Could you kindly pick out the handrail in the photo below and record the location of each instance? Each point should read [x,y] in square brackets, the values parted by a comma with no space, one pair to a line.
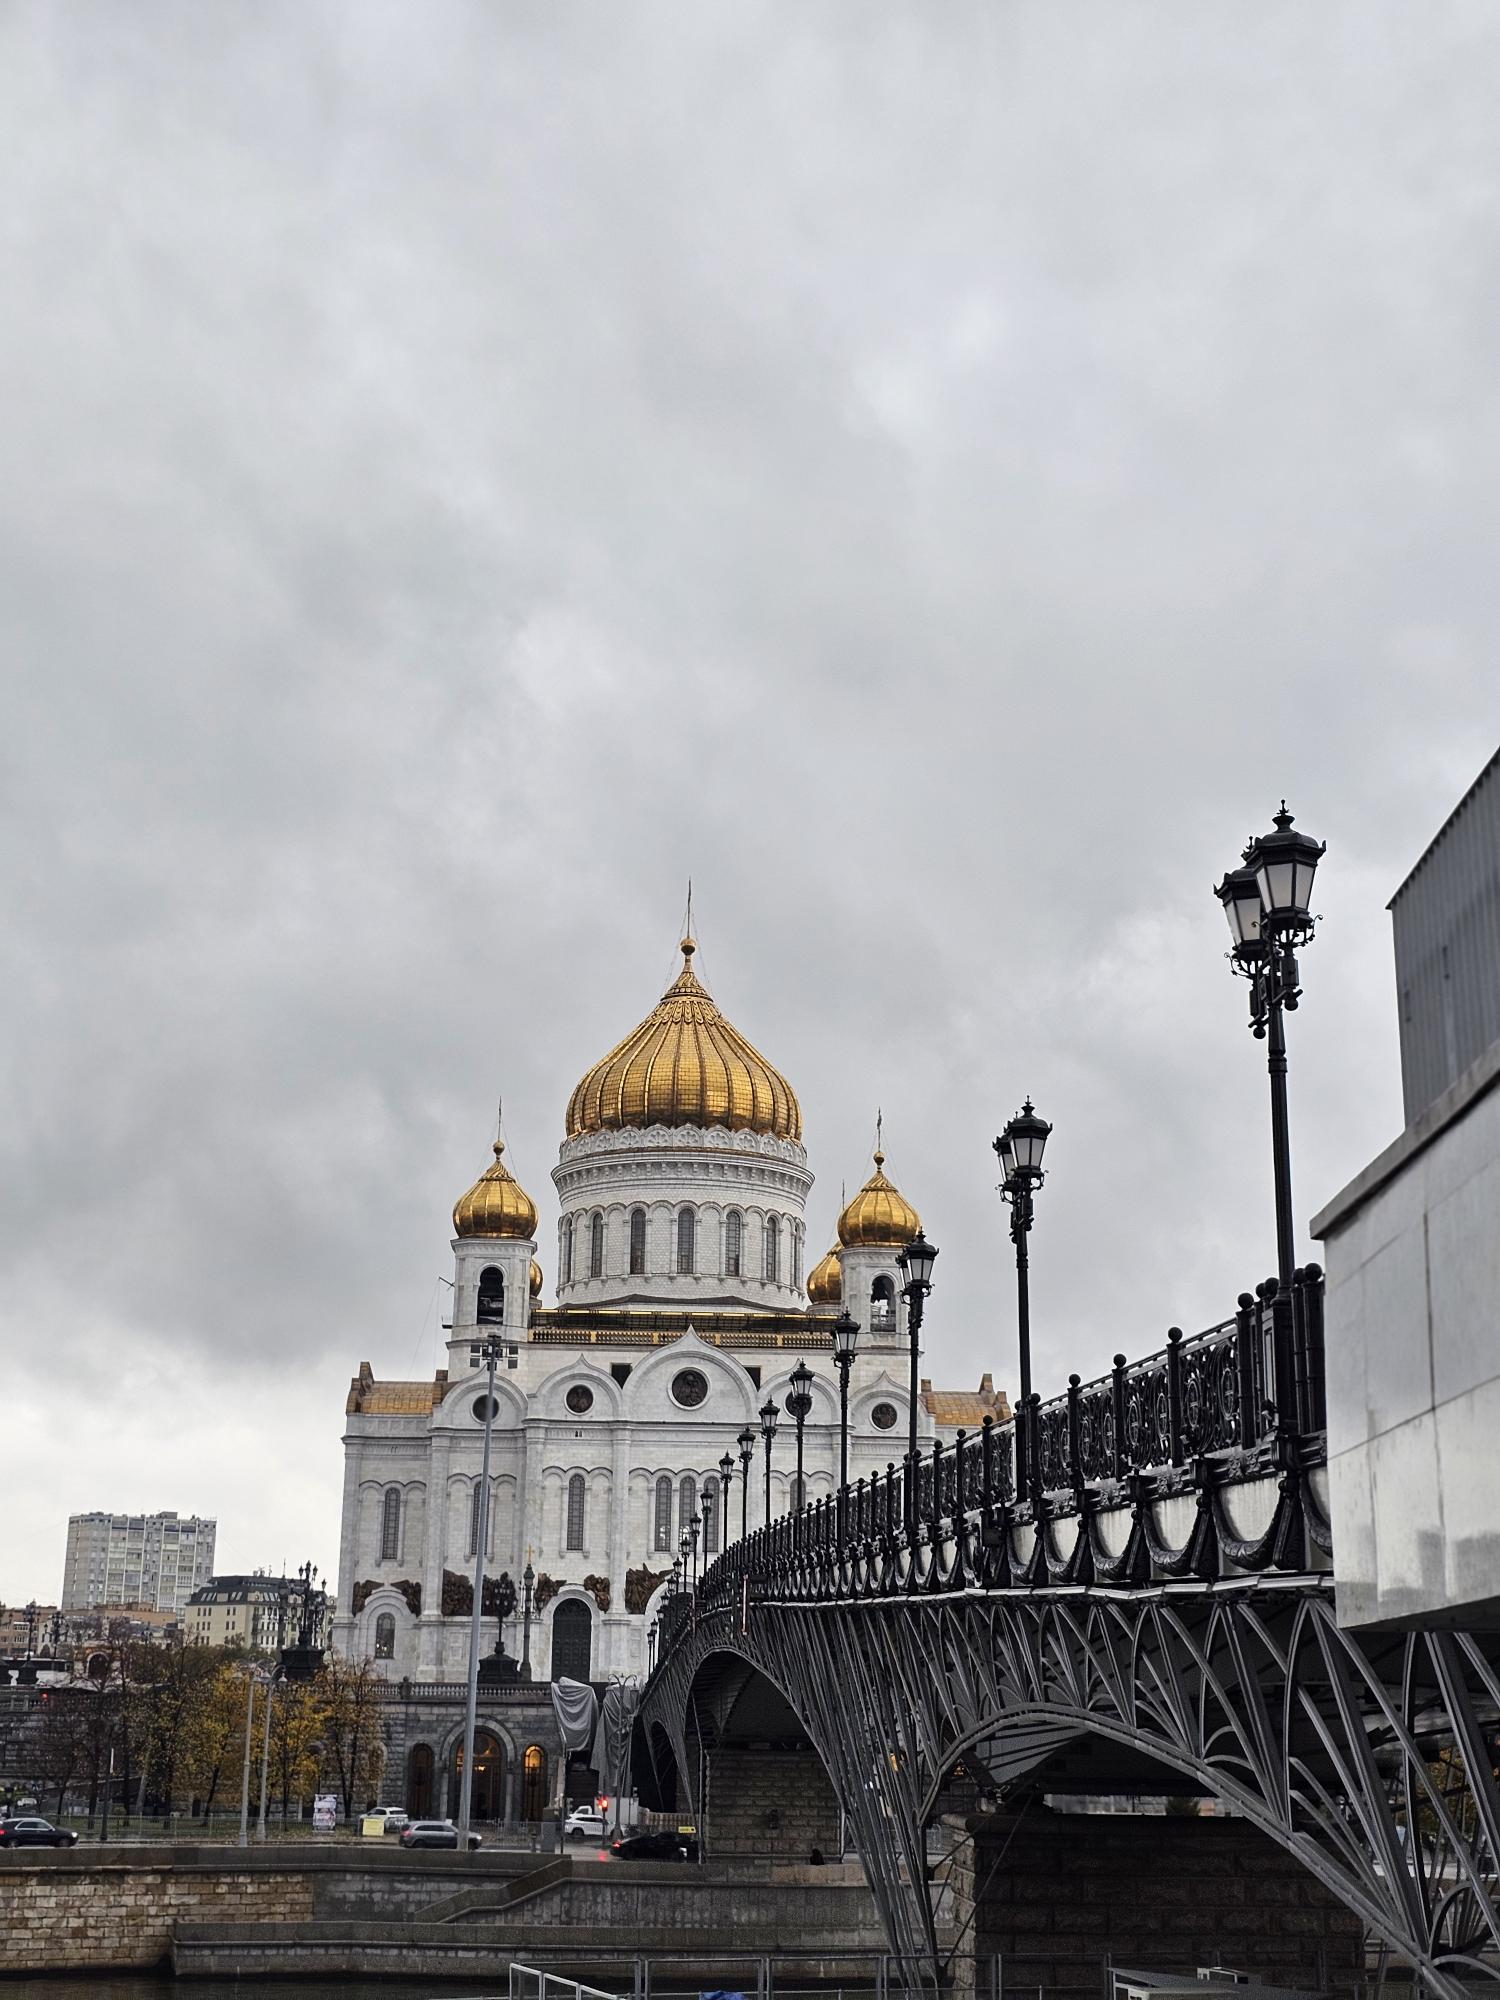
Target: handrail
[1196,1413]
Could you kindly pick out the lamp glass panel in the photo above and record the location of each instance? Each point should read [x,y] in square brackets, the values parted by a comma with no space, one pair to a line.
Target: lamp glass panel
[1278,881]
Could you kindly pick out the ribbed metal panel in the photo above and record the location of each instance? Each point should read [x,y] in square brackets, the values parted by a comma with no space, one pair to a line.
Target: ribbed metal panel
[1446,917]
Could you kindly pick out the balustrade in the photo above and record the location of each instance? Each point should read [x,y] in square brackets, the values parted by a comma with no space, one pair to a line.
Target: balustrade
[1202,1399]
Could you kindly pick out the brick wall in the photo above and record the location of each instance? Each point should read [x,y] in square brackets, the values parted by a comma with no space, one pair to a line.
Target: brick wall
[121,1914]
[776,1802]
[1058,1891]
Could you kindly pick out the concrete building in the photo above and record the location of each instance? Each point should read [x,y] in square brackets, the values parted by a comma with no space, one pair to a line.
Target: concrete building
[258,1612]
[158,1560]
[1413,1265]
[684,1302]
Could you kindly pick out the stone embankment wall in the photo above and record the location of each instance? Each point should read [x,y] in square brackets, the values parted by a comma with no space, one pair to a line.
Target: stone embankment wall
[120,1907]
[1056,1892]
[54,1919]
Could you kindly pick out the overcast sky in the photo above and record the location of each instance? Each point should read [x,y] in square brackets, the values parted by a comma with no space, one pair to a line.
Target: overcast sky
[935,474]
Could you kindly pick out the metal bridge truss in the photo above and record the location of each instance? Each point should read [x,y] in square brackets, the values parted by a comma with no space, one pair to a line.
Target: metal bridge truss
[1369,1758]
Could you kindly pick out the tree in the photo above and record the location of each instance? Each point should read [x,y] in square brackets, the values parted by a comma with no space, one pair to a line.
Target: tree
[353,1744]
[297,1723]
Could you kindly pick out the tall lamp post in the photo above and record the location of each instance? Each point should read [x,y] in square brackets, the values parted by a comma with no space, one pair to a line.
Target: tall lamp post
[916,1262]
[491,1349]
[845,1341]
[528,1578]
[1267,902]
[798,1404]
[769,1412]
[746,1443]
[726,1476]
[1020,1148]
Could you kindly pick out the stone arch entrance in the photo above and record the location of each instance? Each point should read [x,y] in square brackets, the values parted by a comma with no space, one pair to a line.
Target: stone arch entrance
[419,1799]
[487,1801]
[534,1783]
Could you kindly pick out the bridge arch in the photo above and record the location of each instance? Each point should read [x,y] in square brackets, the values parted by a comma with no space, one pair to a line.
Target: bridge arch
[1249,1691]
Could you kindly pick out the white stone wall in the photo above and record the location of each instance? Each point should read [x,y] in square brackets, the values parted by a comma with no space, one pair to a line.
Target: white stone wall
[662,1171]
[632,1435]
[1413,1368]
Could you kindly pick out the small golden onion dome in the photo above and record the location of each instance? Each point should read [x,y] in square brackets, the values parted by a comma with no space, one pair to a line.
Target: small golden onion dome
[685,1065]
[536,1279]
[496,1205]
[879,1215]
[825,1281]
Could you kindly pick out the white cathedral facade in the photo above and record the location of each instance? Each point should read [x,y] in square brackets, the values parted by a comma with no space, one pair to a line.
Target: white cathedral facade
[683,1304]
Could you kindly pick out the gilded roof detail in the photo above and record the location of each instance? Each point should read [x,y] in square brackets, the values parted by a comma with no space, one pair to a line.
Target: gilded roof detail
[966,1407]
[369,1398]
[685,1065]
[496,1205]
[825,1281]
[879,1214]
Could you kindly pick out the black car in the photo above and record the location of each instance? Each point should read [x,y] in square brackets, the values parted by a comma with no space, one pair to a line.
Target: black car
[35,1833]
[656,1847]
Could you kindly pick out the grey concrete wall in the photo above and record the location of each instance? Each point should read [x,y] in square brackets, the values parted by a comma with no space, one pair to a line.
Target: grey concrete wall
[1055,1892]
[1412,1330]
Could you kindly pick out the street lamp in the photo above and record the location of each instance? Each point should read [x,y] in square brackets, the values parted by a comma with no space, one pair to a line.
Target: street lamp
[528,1578]
[798,1404]
[845,1341]
[769,1412]
[915,1262]
[651,1647]
[746,1443]
[491,1348]
[1266,903]
[726,1475]
[1020,1148]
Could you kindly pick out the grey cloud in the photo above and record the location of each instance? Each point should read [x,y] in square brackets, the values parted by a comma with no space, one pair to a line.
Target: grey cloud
[935,477]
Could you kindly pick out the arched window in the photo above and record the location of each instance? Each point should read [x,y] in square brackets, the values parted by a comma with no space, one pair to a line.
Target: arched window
[490,1310]
[567,1250]
[796,1257]
[882,1303]
[572,1641]
[686,1240]
[662,1537]
[489,1538]
[687,1501]
[385,1637]
[773,1247]
[419,1781]
[734,1243]
[534,1784]
[596,1247]
[576,1490]
[637,1241]
[710,1520]
[390,1525]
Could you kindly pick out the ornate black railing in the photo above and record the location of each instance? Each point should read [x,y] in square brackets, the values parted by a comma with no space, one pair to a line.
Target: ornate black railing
[1201,1414]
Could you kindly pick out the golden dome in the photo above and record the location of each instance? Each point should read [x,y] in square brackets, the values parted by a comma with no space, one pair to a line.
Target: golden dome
[536,1279]
[685,1065]
[879,1214]
[825,1281]
[496,1205]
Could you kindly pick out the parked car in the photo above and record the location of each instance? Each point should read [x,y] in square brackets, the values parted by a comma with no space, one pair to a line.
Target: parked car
[584,1823]
[35,1833]
[656,1847]
[435,1833]
[394,1817]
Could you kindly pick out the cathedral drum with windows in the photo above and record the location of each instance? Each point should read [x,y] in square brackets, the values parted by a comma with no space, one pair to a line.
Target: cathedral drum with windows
[681,1307]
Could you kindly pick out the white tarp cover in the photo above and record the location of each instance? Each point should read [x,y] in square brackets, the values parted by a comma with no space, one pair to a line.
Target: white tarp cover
[574,1706]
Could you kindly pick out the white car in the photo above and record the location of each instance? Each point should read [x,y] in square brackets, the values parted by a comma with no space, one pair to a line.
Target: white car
[584,1823]
[393,1816]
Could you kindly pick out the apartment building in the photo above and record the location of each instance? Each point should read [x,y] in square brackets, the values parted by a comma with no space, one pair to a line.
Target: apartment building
[157,1560]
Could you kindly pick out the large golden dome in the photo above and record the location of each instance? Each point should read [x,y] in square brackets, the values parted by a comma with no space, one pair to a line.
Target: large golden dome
[685,1065]
[879,1215]
[825,1281]
[496,1205]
